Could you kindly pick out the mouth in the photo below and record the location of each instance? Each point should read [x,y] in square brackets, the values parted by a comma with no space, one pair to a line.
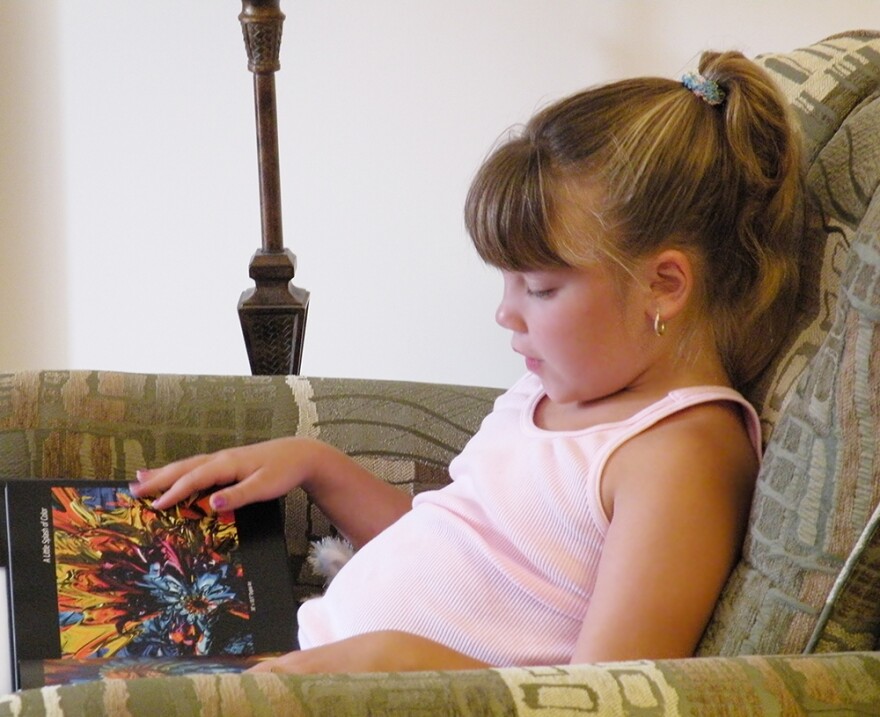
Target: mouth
[533,364]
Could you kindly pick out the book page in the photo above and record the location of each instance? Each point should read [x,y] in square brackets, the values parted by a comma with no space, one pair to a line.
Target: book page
[5,642]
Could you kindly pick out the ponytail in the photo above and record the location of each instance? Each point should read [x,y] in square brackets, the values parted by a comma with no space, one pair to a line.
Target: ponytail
[755,274]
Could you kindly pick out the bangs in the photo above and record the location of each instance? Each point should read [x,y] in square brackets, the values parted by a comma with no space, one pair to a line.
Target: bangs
[509,209]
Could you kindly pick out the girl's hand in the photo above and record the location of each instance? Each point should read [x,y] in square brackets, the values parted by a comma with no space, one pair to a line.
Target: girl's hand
[356,502]
[384,651]
[257,472]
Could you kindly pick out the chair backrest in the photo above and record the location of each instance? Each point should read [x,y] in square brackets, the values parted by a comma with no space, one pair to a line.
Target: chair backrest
[808,578]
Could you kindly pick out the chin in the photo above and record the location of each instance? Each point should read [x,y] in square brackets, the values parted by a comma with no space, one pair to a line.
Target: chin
[573,396]
[562,396]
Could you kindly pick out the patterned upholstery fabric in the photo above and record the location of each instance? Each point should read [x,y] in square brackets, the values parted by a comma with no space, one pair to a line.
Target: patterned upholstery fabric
[820,480]
[825,684]
[850,619]
[810,575]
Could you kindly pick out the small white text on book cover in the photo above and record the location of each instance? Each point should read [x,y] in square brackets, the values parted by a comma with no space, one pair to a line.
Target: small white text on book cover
[45,538]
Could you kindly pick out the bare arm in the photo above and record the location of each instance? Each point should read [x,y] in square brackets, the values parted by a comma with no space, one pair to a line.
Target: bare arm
[358,503]
[681,495]
[383,651]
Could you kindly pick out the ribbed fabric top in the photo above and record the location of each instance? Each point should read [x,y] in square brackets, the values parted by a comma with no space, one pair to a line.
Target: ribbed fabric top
[500,564]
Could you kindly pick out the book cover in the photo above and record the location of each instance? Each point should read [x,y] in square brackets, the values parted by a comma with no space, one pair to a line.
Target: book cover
[96,573]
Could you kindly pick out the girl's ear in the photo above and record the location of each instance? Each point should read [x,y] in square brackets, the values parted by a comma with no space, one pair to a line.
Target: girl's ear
[670,282]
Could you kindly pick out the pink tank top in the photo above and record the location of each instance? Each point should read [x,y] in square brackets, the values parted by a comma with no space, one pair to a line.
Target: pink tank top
[500,564]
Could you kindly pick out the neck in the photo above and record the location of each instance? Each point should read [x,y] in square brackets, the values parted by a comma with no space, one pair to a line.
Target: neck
[674,365]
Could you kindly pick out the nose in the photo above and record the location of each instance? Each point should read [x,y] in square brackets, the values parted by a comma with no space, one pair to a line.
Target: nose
[507,316]
[502,316]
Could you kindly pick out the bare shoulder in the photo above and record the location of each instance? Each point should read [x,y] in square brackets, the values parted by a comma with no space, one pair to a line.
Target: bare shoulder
[704,449]
[678,496]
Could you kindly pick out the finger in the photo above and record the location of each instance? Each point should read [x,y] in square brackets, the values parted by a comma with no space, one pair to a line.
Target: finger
[295,662]
[263,666]
[156,480]
[216,470]
[259,486]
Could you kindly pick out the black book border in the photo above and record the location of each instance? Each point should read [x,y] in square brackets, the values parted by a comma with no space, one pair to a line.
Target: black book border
[33,617]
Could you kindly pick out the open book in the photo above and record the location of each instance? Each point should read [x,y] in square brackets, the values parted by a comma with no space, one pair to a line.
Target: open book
[98,575]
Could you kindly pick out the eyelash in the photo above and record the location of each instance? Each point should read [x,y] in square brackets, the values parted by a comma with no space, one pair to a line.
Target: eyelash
[540,293]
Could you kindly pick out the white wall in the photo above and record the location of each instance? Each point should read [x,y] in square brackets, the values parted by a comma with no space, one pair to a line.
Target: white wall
[33,276]
[130,205]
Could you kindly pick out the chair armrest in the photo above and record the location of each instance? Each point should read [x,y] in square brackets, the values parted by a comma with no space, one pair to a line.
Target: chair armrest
[807,684]
[109,424]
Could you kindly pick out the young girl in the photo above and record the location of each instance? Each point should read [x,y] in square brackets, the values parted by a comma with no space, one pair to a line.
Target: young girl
[647,233]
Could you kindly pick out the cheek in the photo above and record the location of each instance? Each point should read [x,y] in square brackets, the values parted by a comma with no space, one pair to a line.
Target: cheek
[603,336]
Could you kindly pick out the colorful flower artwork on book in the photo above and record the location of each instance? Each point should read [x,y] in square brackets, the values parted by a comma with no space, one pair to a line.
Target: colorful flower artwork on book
[136,582]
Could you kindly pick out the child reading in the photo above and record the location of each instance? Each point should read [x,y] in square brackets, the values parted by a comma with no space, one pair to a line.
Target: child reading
[647,232]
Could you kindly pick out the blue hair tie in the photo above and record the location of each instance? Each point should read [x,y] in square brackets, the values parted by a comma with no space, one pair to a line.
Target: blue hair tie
[707,90]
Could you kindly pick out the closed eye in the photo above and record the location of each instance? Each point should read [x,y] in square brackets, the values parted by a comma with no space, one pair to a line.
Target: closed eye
[541,293]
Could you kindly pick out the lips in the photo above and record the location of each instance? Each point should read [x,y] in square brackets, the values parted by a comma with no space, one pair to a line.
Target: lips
[532,364]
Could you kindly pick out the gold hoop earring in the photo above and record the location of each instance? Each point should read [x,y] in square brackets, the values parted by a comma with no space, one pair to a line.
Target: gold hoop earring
[659,324]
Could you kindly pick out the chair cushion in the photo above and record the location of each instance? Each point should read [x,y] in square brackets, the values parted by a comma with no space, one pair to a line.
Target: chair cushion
[850,617]
[820,401]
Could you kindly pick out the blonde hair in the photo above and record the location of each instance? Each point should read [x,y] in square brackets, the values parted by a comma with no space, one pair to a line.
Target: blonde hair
[664,169]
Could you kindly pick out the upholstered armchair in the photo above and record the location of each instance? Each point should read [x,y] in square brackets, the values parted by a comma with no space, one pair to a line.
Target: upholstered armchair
[798,623]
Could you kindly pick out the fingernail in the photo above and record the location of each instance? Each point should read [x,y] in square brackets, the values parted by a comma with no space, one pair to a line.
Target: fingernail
[218,501]
[141,474]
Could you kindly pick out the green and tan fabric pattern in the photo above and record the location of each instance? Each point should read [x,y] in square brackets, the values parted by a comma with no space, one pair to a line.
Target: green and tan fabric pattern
[832,87]
[809,579]
[820,481]
[850,619]
[812,685]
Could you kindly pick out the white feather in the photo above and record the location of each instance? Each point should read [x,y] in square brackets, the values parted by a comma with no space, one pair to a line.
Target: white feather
[328,555]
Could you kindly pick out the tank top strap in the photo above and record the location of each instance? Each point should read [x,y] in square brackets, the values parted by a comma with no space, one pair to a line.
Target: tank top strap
[683,398]
[669,405]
